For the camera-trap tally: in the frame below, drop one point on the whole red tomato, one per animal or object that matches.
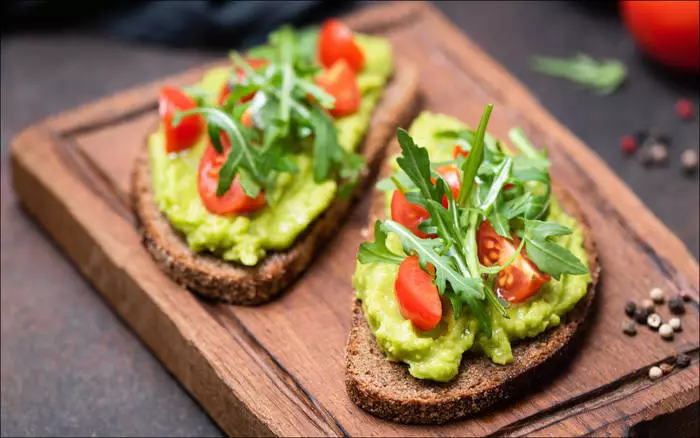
(666, 30)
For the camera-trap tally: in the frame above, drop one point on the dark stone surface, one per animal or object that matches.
(71, 367)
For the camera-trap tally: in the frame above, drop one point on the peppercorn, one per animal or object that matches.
(689, 160)
(648, 304)
(675, 305)
(629, 327)
(682, 360)
(666, 368)
(630, 307)
(655, 373)
(684, 109)
(657, 295)
(675, 324)
(628, 144)
(640, 315)
(654, 321)
(685, 295)
(666, 332)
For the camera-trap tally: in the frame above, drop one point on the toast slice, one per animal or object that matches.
(215, 278)
(388, 391)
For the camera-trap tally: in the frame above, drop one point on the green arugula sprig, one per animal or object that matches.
(486, 172)
(603, 76)
(289, 114)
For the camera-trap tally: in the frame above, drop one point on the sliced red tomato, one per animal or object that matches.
(459, 151)
(453, 178)
(240, 76)
(234, 200)
(336, 41)
(521, 279)
(183, 136)
(418, 297)
(409, 215)
(247, 117)
(340, 82)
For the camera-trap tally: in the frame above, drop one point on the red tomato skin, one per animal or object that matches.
(336, 41)
(340, 82)
(417, 295)
(519, 281)
(451, 174)
(234, 201)
(409, 215)
(189, 130)
(240, 76)
(459, 151)
(666, 30)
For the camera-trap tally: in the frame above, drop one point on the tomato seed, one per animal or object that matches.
(684, 109)
(628, 144)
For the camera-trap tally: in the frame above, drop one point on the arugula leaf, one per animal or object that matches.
(550, 257)
(473, 161)
(377, 251)
(325, 141)
(414, 161)
(604, 76)
(502, 175)
(445, 271)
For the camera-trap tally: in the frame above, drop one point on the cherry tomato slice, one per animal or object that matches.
(340, 82)
(418, 297)
(189, 130)
(409, 215)
(451, 174)
(234, 200)
(521, 279)
(459, 151)
(240, 76)
(336, 41)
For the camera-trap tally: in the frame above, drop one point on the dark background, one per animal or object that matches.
(69, 365)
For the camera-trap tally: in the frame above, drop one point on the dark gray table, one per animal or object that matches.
(71, 367)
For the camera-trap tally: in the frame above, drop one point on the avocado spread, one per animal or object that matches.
(437, 354)
(296, 201)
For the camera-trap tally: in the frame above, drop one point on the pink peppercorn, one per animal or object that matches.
(628, 144)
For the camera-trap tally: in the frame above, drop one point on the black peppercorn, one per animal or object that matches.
(630, 307)
(640, 315)
(682, 360)
(675, 305)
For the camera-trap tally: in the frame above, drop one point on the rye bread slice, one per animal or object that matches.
(215, 278)
(387, 390)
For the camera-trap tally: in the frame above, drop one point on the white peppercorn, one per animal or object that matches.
(666, 331)
(654, 321)
(648, 304)
(629, 327)
(675, 324)
(657, 295)
(689, 160)
(655, 373)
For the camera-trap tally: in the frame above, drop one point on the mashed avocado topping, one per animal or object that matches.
(297, 199)
(436, 354)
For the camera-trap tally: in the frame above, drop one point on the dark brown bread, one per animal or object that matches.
(387, 390)
(238, 284)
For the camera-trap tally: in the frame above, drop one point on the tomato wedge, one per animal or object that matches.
(521, 279)
(418, 297)
(409, 215)
(459, 151)
(234, 200)
(340, 82)
(240, 76)
(451, 174)
(183, 136)
(336, 41)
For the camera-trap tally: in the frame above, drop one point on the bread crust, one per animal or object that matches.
(234, 283)
(387, 390)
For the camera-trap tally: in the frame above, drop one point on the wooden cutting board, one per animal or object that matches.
(278, 369)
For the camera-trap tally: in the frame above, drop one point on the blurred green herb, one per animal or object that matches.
(603, 76)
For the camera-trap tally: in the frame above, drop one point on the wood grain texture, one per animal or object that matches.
(278, 369)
